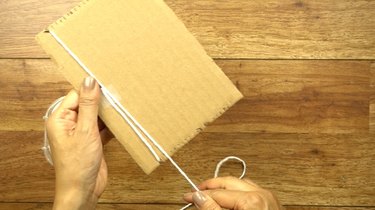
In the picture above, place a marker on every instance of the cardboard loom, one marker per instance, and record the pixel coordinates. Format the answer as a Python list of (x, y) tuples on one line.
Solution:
[(147, 58)]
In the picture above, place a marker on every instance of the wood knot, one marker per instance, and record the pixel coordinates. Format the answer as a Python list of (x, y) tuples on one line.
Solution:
[(315, 151)]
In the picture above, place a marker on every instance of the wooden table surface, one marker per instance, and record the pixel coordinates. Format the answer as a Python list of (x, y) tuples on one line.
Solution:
[(306, 126)]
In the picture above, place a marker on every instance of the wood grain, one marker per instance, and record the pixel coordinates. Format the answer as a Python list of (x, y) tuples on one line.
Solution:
[(48, 206), (281, 96), (337, 29), (327, 208), (372, 99), (302, 169)]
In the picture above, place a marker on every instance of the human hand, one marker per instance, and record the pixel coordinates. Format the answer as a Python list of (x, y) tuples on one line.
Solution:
[(232, 193), (76, 147)]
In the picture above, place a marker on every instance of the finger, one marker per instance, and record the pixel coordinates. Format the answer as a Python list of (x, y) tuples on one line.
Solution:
[(203, 202), (64, 111), (251, 183), (233, 199), (68, 107), (228, 183), (88, 105), (103, 173), (224, 198)]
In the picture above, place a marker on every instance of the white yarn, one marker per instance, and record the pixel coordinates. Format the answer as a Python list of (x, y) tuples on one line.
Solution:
[(219, 164), (217, 171), (46, 148)]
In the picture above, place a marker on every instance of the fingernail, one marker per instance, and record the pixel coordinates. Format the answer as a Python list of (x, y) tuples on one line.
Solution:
[(199, 198), (89, 83)]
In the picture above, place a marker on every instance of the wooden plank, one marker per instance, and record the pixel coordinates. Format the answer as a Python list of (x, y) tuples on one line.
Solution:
[(48, 206), (302, 169), (20, 21), (297, 96), (337, 29), (27, 89), (372, 99), (101, 206), (327, 208), (280, 95)]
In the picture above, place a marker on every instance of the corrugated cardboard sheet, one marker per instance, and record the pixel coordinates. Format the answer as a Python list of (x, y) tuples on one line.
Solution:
[(143, 54)]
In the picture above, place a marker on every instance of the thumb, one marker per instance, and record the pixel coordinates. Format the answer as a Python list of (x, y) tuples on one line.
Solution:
[(88, 105), (204, 202)]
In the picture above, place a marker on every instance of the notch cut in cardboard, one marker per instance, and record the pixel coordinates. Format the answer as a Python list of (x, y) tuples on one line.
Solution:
[(144, 54)]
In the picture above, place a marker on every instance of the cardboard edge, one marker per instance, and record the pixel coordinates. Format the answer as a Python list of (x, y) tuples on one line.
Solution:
[(70, 14)]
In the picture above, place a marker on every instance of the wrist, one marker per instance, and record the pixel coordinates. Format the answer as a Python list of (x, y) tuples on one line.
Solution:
[(74, 199)]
